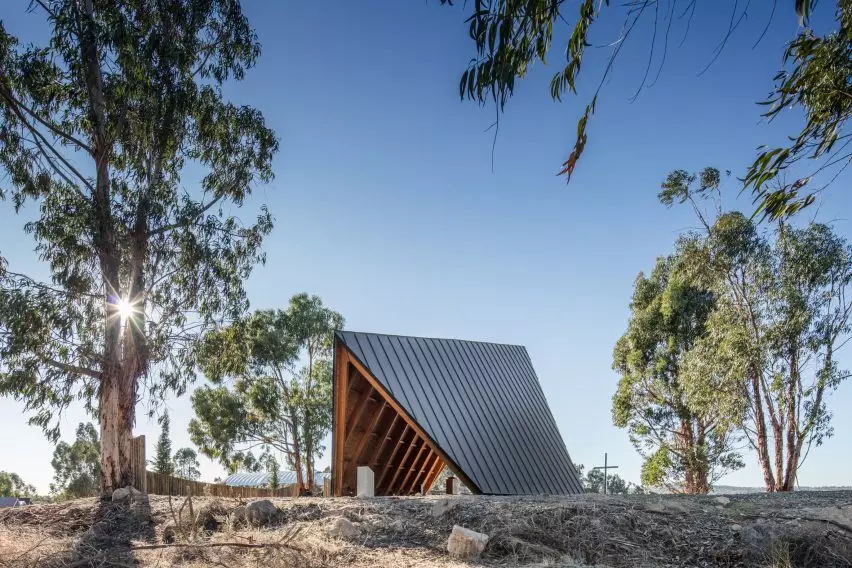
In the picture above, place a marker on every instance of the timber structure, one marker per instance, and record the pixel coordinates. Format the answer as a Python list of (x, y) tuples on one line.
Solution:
[(408, 406)]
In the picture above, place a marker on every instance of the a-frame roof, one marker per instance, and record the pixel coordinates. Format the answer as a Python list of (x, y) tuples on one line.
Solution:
[(480, 403)]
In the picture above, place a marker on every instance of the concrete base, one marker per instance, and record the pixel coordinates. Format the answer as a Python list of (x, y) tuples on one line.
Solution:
[(366, 482)]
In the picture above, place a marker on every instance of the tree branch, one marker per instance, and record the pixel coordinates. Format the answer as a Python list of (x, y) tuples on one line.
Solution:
[(41, 142), (75, 369), (172, 226), (50, 126)]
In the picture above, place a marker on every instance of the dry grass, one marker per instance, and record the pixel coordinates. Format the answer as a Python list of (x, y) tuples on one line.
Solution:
[(536, 532), (30, 546)]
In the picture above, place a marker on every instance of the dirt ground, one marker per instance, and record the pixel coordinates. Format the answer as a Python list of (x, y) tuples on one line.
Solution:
[(799, 529)]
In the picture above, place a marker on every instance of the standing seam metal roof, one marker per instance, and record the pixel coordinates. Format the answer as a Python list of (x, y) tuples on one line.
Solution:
[(481, 403)]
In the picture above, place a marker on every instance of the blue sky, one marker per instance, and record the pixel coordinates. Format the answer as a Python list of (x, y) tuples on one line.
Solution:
[(387, 206)]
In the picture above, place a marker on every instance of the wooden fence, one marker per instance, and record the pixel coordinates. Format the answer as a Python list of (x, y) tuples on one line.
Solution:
[(164, 484), (137, 463)]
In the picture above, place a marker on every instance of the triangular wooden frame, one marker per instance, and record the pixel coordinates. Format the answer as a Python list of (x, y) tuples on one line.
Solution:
[(371, 428)]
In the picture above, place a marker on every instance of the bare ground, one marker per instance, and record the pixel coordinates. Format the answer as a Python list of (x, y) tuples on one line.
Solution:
[(780, 531)]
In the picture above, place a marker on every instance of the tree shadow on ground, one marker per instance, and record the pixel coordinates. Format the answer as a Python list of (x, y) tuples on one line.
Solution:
[(116, 525)]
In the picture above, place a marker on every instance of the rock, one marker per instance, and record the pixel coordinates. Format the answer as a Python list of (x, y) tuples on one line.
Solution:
[(343, 528), (354, 514), (722, 500), (465, 543), (397, 526), (169, 534), (443, 506), (209, 517), (310, 512), (736, 528), (261, 513), (125, 493), (841, 515), (238, 515)]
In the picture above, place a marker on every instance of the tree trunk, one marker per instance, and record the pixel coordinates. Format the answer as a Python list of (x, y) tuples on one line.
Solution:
[(702, 482), (309, 458), (297, 453), (760, 441), (792, 426), (117, 412), (309, 469), (117, 388), (778, 445)]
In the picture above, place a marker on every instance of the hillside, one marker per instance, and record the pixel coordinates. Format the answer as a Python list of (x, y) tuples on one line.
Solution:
[(800, 529)]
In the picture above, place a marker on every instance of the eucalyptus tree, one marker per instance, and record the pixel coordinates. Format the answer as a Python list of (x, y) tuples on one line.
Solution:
[(685, 434), (11, 485), (185, 464), (273, 386), (782, 312), (511, 36), (97, 127), (76, 466)]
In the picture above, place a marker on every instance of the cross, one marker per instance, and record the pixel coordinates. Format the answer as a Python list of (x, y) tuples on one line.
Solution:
[(605, 467)]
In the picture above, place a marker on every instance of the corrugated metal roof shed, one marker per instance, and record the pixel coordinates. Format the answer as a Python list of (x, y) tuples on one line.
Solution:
[(261, 479), (480, 403)]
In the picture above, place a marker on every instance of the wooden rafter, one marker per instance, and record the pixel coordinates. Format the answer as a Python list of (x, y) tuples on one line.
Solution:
[(434, 471), (367, 435), (372, 462), (401, 467), (423, 471), (399, 444), (404, 488), (357, 412)]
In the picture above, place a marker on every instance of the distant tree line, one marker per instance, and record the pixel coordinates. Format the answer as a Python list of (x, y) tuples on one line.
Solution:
[(593, 482)]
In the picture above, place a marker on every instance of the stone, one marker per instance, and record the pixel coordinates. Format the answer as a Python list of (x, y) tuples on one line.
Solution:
[(841, 515), (121, 494), (443, 506), (209, 517), (736, 528), (465, 543), (722, 500), (366, 485), (125, 493), (397, 526), (261, 513), (238, 515), (343, 528), (170, 534)]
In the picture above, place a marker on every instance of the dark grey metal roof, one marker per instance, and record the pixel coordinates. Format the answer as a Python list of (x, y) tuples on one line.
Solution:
[(482, 405)]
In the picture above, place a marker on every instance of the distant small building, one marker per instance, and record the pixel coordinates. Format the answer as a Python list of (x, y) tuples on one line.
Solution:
[(14, 502), (261, 479)]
